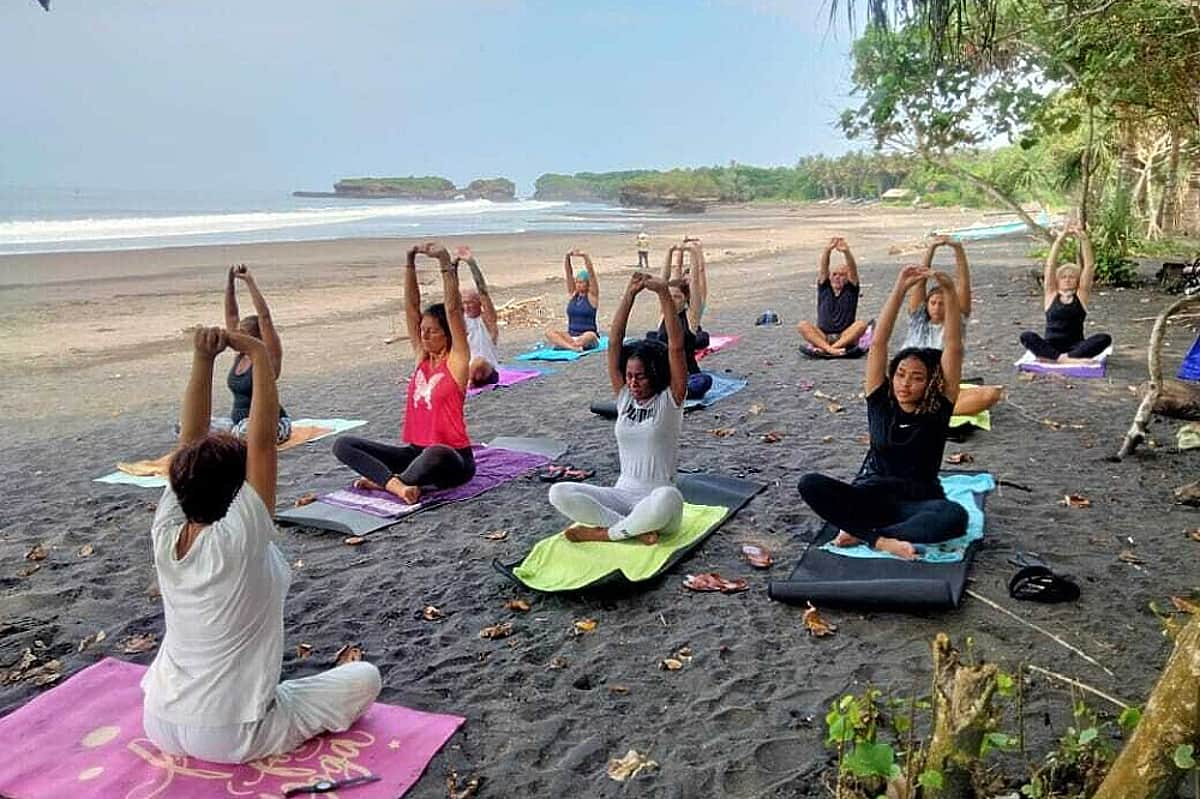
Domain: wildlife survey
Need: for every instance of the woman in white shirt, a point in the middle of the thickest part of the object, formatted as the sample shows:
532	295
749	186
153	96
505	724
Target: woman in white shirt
213	690
650	381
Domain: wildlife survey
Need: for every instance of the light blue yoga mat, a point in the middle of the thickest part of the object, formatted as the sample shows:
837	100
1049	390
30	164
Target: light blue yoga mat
722	387
551	354
960	488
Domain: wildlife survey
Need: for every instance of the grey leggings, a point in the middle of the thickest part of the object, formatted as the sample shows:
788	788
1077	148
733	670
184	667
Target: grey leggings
438	465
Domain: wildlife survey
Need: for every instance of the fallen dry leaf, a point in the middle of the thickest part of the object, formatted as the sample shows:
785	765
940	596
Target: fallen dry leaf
25	571
1194	534
819	394
619	690
496	535
86	551
758	557
1186	605
1127	556
557	662
1075	501
350	653
826	439
833	407
773	437
670	664
757	408
519	605
432	613
140	643
586	625
91	640
864	439
960	457
354	540
469	788
628	767
712	581
501	630
305	499
303	651
817	627
37	552
721	432
28	669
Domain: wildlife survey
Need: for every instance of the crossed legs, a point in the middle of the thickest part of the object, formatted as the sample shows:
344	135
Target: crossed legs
844	341
614	514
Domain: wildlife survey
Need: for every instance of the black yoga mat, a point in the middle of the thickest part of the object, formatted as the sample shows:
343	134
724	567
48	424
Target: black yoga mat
809	351
731	493
824	578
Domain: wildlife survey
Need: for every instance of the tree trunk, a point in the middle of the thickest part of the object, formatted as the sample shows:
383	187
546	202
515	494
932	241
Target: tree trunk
1145	768
1177	399
962	707
1137	431
1170	184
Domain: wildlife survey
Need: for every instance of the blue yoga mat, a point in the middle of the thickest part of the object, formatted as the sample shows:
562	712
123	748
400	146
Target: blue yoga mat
1190	368
551	354
960	488
722	387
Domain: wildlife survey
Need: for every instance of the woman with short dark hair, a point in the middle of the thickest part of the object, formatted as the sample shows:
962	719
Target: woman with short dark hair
650	381
213	690
436	449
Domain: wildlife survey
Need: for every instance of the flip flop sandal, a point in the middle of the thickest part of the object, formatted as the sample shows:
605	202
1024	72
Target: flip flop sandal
560	472
714	582
758	557
1041	584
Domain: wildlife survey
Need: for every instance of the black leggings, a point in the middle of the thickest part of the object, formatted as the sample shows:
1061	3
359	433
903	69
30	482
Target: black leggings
437	465
1090	347
870	511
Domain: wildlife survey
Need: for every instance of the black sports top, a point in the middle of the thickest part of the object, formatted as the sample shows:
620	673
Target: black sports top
689	342
906	447
1064	323
242	387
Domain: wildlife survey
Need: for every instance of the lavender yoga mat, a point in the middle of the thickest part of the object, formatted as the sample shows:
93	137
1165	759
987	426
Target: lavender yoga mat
1028	363
493	466
508	377
85	738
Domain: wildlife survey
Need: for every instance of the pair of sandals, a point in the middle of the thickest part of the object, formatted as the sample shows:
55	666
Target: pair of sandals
1036	581
563	473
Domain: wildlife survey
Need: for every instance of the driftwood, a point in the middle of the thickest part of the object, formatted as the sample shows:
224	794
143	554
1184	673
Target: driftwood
1145	769
963	714
1180	394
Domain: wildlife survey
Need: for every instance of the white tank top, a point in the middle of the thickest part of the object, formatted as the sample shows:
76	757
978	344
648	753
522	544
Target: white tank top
481	342
648	440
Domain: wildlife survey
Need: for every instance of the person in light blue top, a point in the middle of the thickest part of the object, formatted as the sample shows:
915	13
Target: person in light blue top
583	293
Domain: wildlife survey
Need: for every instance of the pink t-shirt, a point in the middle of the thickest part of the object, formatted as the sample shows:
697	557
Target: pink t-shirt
434	411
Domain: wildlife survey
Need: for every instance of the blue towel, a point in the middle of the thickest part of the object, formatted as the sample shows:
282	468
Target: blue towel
722	387
551	354
1190	368
960	488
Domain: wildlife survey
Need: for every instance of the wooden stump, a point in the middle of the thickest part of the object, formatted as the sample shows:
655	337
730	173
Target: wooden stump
963	715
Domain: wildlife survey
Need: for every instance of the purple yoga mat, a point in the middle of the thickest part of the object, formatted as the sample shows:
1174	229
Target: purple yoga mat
508	377
84	738
1097	368
493	466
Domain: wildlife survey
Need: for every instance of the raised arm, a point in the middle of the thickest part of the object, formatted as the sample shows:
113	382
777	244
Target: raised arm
877	355
823	263
593	281
669	263
568	273
699	285
918	293
262	455
460	348
195	415
952	340
1049	280
616	333
962	277
487	307
843	247
265	324
412	303
231	306
1088	275
675	353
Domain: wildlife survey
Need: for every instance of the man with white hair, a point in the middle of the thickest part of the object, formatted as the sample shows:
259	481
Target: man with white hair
836	331
482	329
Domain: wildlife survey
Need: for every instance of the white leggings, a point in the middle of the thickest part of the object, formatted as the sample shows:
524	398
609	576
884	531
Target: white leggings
625	513
327	702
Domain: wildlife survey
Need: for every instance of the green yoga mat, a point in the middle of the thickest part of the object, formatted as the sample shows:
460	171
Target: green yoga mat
556	564
982	420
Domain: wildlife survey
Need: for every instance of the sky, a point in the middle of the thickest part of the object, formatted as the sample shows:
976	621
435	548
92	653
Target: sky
294	94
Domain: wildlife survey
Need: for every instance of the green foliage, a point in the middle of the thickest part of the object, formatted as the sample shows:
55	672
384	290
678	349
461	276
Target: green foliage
931	779
1078	765
998	741
429	185
1129	719
1185	757
867	759
1114	234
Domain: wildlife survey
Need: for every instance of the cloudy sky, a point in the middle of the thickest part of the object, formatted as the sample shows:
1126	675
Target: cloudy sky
289	94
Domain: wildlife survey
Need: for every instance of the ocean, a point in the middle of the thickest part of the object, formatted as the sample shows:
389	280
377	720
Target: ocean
34	220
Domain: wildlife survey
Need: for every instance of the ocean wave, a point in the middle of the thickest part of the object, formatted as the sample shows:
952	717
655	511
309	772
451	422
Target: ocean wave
61	231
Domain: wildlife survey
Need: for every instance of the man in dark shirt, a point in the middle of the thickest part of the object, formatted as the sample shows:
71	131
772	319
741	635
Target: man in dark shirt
836	330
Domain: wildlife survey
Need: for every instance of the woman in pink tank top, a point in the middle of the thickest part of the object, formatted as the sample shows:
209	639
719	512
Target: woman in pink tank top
436	449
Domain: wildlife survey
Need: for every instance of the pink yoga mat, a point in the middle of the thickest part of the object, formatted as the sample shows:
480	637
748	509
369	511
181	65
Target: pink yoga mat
84	738
716	343
508	377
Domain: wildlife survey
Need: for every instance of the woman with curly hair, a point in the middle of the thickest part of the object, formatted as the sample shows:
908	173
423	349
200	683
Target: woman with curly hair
896	501
650	380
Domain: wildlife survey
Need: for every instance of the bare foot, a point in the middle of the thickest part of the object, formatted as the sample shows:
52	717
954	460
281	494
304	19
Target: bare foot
844	539
368	485
408	494
582	532
894	546
648	538
1069	361
838	351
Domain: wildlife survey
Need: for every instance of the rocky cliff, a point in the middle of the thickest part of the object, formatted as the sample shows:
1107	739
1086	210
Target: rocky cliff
418	188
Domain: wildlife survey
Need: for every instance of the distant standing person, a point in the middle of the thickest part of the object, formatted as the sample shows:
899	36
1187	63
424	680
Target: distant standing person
1067	292
483	332
241	374
583	298
836	330
643	250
